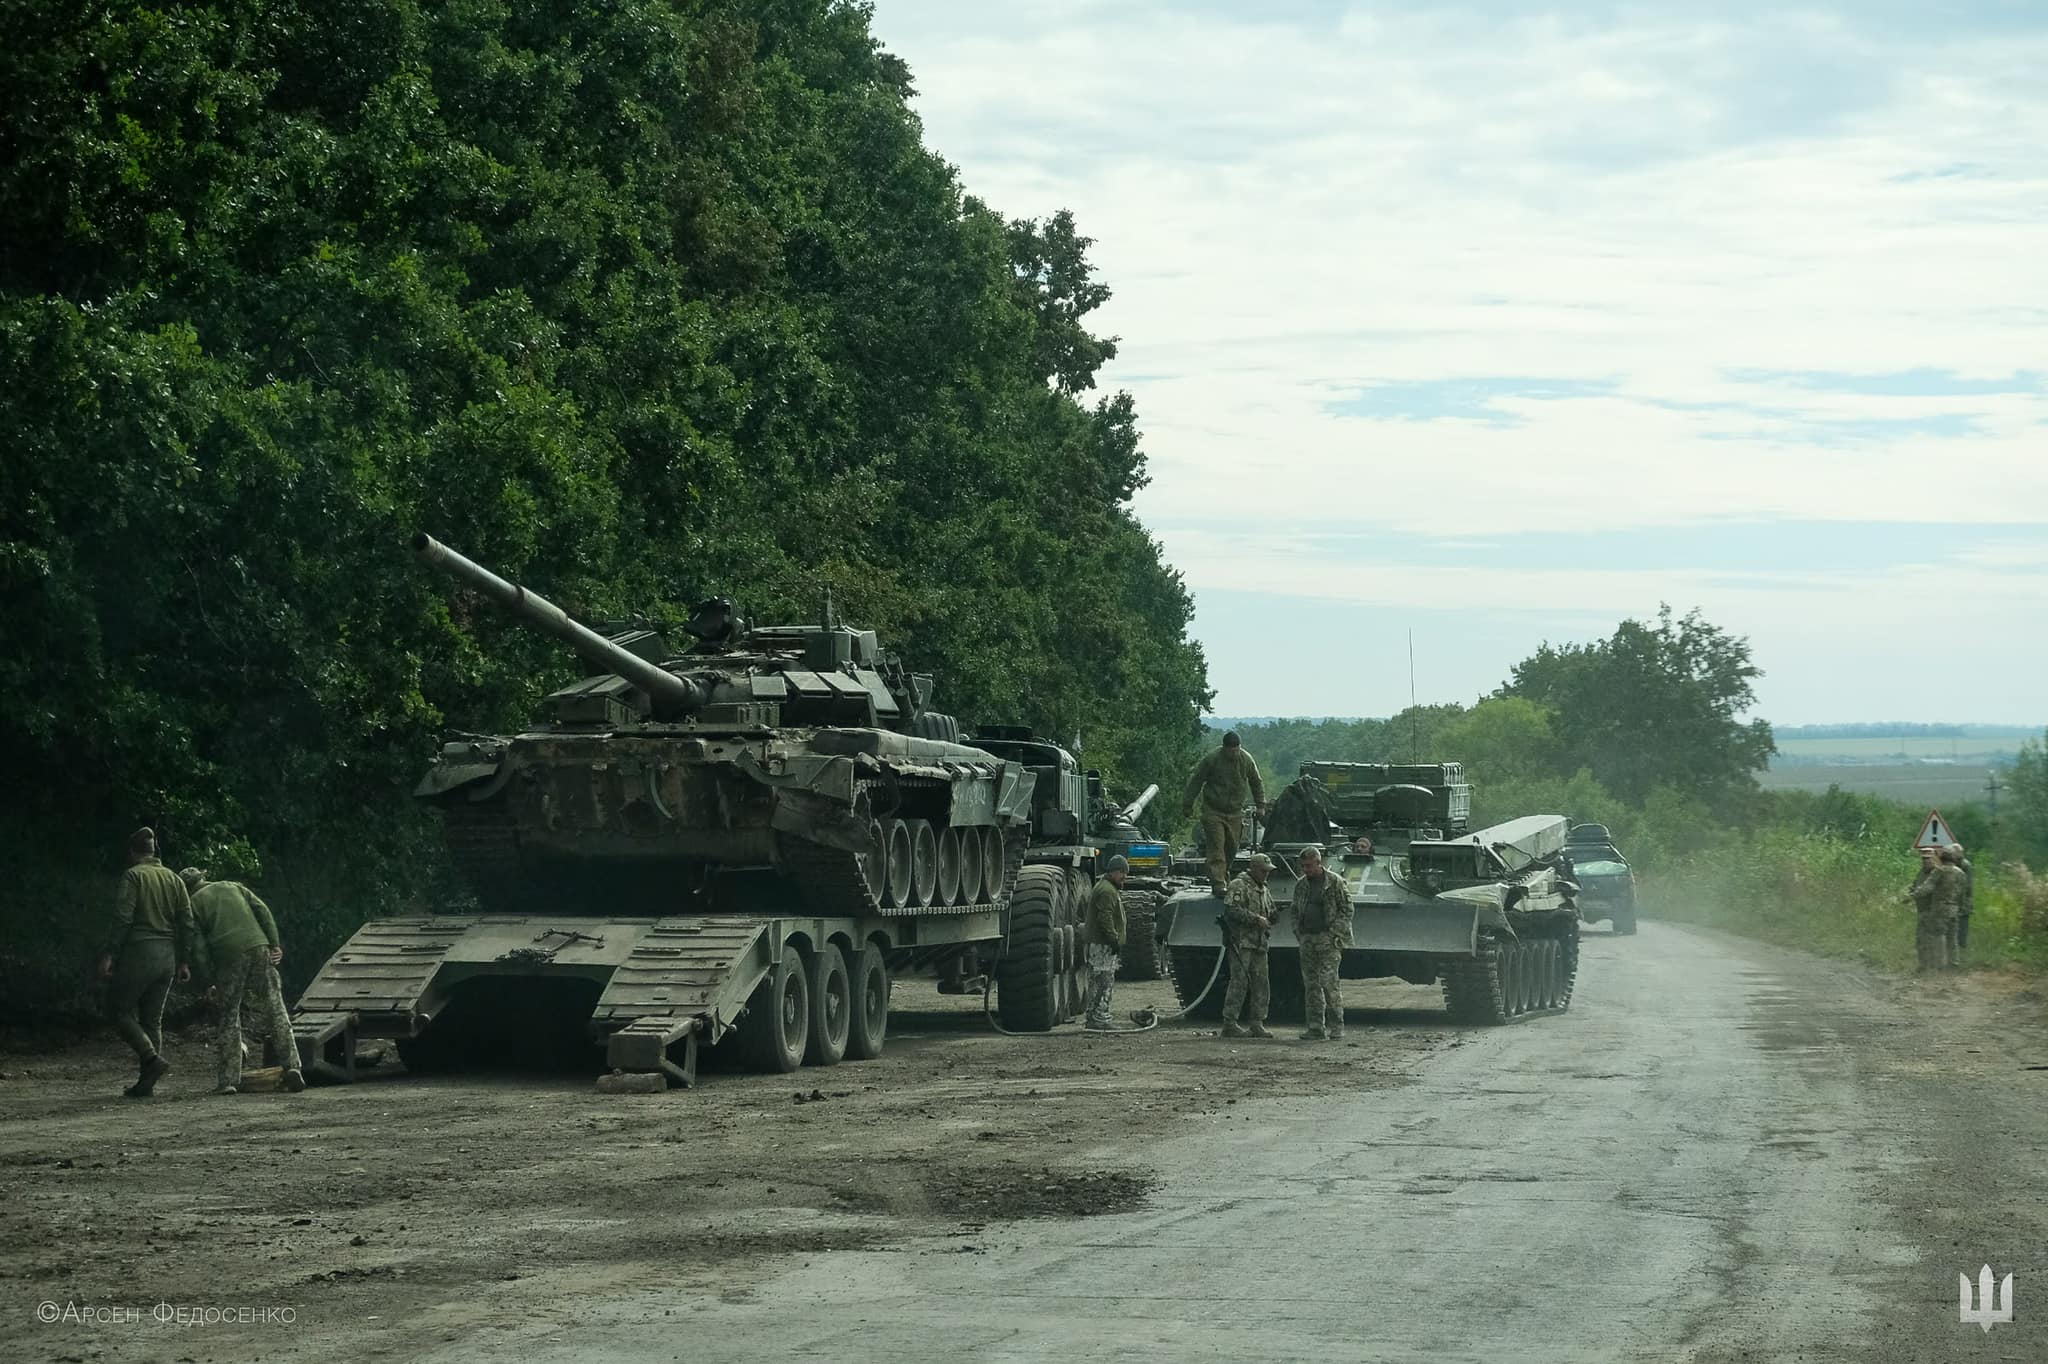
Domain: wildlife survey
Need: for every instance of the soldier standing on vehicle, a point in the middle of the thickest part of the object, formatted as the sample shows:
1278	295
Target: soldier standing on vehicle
242	951
1960	939
1105	939
1226	781
146	949
1322	925
1248	915
1936	892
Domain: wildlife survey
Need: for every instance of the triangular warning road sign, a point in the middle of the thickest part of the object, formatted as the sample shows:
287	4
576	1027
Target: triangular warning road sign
1934	833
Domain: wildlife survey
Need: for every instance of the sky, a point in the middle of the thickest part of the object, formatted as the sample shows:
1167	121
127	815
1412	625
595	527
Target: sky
1500	322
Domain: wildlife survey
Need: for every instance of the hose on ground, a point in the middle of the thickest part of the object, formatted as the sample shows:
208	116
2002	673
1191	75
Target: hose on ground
1145	1019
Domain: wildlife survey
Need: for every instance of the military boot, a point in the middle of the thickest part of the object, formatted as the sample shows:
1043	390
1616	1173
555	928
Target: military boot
154	1069
1256	1030
1230	1029
1312	1034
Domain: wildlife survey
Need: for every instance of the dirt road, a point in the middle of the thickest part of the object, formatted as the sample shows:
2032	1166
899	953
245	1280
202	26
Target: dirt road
1722	1152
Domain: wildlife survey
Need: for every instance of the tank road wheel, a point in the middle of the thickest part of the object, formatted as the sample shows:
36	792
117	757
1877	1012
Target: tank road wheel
896	865
831	1007
1472	986
994	857
869	1024
949	867
970	867
1143	957
1542	974
924	861
777	1027
1026	975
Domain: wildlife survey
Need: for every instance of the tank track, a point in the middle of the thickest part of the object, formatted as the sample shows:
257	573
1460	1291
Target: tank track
1143	956
1513	979
833	880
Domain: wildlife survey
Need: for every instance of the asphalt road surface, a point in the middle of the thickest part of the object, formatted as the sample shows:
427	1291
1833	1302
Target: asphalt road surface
1721	1153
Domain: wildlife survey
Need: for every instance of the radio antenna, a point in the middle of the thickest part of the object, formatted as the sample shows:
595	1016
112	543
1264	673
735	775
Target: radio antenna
1414	718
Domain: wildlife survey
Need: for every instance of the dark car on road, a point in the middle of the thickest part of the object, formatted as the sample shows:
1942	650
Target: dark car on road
1607	886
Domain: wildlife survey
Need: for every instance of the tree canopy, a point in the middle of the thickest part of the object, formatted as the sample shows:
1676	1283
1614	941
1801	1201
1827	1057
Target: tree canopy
634	302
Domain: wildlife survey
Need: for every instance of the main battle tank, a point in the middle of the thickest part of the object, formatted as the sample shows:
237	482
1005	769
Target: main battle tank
759	761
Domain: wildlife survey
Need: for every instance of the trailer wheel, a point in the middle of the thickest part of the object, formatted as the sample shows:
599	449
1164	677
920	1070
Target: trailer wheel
831	992
868	1024
1026	1000
778	1022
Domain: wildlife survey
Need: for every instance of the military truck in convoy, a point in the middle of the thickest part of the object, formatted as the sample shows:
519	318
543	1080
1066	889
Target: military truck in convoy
1488	913
1074	830
747	838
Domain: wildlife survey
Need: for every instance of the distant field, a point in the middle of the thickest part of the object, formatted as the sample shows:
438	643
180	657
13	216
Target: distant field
1913	783
1800	752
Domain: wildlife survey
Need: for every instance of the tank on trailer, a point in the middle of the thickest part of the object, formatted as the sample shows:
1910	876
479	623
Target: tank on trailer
765	824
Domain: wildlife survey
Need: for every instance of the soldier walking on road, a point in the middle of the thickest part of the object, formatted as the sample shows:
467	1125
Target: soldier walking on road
1248	915
1226	781
1937	893
1105	940
242	952
1322	925
147	948
1960	939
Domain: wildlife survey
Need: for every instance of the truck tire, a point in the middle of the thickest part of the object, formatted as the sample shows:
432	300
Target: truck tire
1143	956
1026	996
869	1025
831	991
776	1030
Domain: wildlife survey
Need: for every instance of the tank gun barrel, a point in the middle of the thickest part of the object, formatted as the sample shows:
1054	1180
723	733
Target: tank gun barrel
1137	807
669	693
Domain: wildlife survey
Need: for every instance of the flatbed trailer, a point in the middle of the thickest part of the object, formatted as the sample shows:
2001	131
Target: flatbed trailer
798	988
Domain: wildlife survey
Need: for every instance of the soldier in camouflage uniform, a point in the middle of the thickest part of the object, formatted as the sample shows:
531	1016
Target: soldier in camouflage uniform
147	949
1959	938
1938	893
1248	915
1226	781
1322	925
1105	940
242	951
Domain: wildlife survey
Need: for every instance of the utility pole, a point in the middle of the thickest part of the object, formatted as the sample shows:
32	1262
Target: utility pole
1992	786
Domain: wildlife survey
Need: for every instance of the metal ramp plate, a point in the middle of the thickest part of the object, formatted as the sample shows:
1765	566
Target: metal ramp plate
379	974
688	968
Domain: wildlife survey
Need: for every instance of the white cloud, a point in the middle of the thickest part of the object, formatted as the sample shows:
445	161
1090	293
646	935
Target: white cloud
1292	210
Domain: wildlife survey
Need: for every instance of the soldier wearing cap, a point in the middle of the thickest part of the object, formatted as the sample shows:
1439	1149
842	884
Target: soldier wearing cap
1248	915
1960	937
1105	939
242	951
1322	925
1937	892
146	949
1225	781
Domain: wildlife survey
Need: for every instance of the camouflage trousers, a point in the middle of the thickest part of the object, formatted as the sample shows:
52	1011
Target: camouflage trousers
1219	843
244	971
1935	946
1250	979
1958	937
1322	1004
1102	963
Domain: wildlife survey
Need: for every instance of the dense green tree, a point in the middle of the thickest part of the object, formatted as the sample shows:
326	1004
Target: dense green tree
636	302
1654	705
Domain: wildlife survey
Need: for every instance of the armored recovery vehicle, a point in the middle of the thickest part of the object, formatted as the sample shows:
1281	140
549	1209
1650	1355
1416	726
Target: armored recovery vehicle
1488	913
753	834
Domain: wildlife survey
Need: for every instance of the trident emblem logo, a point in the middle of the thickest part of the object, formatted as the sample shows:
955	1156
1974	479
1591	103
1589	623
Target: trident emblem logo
1988	1310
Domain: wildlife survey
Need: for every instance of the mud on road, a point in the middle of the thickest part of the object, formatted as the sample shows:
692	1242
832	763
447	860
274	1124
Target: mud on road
401	1194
